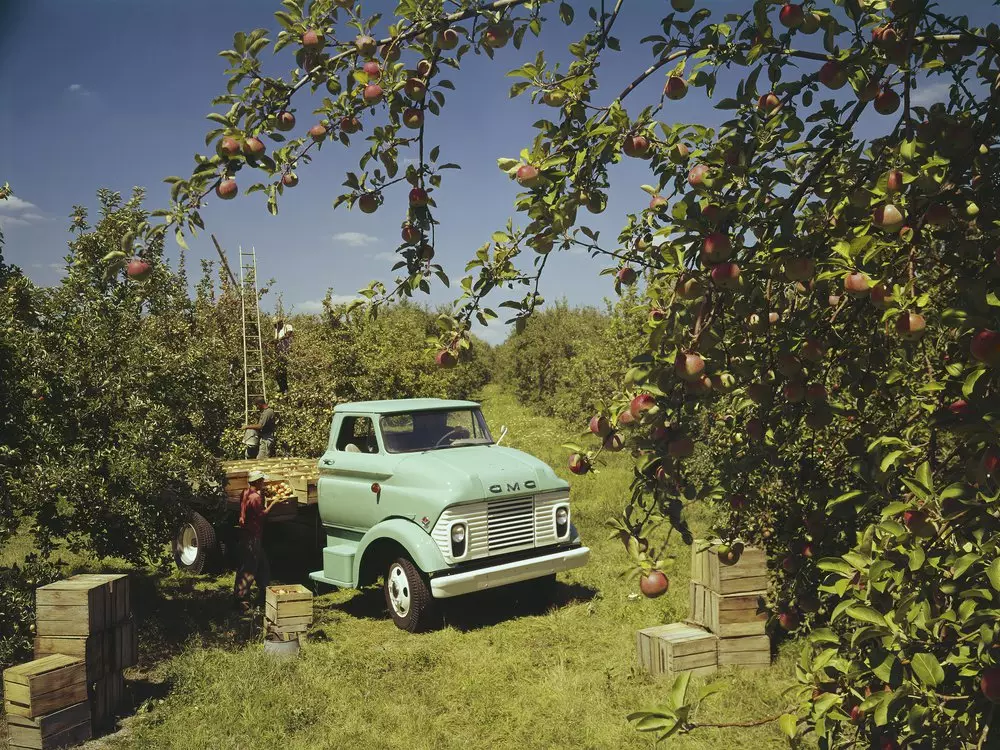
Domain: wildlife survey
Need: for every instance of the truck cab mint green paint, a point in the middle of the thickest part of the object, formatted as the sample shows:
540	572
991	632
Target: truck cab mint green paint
380	496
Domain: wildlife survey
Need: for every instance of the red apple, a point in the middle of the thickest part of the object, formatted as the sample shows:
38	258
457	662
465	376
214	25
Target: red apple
791	16
227	189
410	234
910	326
285	121
737	501
937	215
730	555
869	91
682	6
716	248
495	36
579	464
887	217
989	684
755	429
887	102
447	39
289	179
229	147
372	69
528	176
413	118
372	93
418	197
894	181
678	153
960	408
818	419
368	203
699	176
832	75
680	447
253	147
425	69
856	284
415	88
768	102
813	350
816	392
654	584
788	365
390	52
348	125
446	359
613	443
658	203
137	269
600	425
689	288
800	269
626	276
985	347
794	392
641	403
726	275
312	40
676	88
689	366
365	45
881	297
625	418
636	146
317	132
789	620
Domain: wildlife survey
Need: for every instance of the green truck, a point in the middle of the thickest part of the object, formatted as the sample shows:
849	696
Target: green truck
418	493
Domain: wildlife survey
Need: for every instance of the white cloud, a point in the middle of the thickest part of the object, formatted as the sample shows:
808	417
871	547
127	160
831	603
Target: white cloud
17	212
343	299
13	204
315	306
354	239
493	334
78	90
930	94
12	221
386	256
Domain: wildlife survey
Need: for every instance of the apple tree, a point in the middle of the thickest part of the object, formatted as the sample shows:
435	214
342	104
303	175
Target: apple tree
826	290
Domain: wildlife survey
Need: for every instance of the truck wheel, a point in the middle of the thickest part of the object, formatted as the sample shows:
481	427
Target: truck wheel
408	597
195	546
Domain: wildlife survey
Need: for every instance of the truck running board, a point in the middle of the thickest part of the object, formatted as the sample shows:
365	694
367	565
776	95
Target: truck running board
338	563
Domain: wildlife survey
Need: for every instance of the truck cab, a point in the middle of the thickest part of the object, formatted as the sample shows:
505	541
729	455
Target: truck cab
417	492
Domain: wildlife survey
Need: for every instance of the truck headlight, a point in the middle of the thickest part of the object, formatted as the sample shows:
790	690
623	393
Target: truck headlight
562	521
458	539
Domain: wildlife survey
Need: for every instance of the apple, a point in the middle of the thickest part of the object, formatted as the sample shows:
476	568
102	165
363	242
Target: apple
712	213
888	217
698	175
626	276
675	88
856	713
758	392
641	403
138	269
579	464
496	36
768	102
788	365
415	88
528	176
689	288
447	38
716	248
789	619
418	197
894	181
410	234
726	275
390	52
227	189
810	23
989	684
884	37
636	146
682	6
960	408
312	40
817	420
910	326
813	350
916	522
985	347
372	93
229	147
856	284
881	297
366	46
625	418
937	215
886	102
425	252
425	69
253	147
794	392
613	443
869	91
755	429
554	98
678	153
600	426
730	554
289	179
657	315
654	584
446	359
317	132
368	203
347	125
372	69
680	447
689	366
737	501
791	16
816	392
832	75
658	203
285	121
800	269
413	118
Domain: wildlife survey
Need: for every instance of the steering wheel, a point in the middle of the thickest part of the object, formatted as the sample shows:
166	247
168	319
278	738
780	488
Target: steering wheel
448	434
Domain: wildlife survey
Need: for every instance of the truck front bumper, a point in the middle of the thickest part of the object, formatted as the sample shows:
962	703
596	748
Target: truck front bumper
457	584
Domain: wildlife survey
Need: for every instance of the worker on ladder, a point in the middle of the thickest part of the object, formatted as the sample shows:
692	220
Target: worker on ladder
284	333
265	428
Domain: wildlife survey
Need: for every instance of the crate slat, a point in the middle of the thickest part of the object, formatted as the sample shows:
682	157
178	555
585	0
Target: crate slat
678	647
747	575
728	615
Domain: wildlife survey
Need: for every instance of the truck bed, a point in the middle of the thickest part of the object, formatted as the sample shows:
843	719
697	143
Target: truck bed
300	474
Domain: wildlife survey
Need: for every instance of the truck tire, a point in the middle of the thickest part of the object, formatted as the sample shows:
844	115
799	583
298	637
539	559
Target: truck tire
408	597
195	546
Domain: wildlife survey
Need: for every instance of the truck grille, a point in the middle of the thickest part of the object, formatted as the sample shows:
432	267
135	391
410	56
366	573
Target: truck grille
499	526
510	523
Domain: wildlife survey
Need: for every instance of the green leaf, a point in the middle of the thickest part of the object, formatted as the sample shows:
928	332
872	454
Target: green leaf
927	669
970	382
679	689
993	573
865	614
890	460
962	564
566	13
924	476
843	498
788	724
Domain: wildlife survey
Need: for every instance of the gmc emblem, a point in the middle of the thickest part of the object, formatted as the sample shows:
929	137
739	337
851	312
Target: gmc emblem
513	486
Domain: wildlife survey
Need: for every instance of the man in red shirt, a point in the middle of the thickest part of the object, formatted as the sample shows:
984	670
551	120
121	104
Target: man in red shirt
254	565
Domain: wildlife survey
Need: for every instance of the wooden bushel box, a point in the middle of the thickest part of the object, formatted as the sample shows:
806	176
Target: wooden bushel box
105	697
119	594
125	645
728	615
291	601
44	685
74	606
63	728
749	574
678	647
745	651
96	650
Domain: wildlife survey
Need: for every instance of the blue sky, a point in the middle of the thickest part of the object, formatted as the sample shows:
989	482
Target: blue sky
113	93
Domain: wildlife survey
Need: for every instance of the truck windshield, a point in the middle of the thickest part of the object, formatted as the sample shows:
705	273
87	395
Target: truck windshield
410	432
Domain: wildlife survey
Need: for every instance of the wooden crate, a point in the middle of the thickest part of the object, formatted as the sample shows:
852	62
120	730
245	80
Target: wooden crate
106	696
44	685
678	647
125	645
96	650
64	728
74	606
745	651
288	608
728	615
749	574
119	593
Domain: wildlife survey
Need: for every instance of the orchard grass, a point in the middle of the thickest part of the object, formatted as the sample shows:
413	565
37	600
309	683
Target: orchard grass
505	672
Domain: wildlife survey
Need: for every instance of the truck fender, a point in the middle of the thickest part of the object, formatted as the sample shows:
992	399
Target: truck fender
414	540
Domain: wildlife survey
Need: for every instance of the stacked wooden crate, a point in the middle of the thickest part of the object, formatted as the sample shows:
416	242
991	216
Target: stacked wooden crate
300	476
288	612
727	620
45	702
728	601
89	617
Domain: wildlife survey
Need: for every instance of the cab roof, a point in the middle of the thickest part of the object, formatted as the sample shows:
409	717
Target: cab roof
395	406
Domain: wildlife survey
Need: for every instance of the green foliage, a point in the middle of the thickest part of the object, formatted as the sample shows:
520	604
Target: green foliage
17	603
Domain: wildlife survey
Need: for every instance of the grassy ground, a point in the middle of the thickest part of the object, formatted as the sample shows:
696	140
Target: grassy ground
503	673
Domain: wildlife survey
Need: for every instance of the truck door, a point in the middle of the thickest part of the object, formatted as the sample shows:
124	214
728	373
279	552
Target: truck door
351	464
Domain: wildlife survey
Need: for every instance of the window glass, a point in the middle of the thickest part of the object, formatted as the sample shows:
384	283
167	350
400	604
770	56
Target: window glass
357	435
433	430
